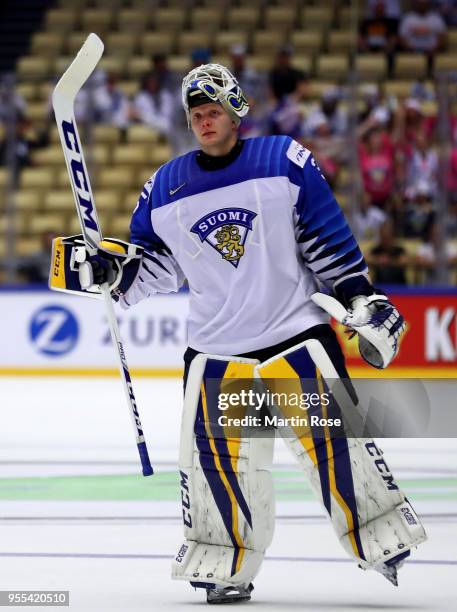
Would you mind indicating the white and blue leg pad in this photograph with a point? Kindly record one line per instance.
(370, 514)
(226, 485)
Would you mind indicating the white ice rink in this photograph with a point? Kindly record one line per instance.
(75, 516)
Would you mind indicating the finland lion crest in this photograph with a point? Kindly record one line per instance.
(226, 231)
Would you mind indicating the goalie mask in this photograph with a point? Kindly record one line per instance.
(214, 83)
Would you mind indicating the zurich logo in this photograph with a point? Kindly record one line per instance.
(54, 330)
(226, 231)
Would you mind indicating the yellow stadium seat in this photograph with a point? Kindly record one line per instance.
(97, 20)
(137, 66)
(116, 176)
(54, 223)
(303, 62)
(268, 41)
(62, 19)
(99, 154)
(129, 154)
(371, 66)
(28, 199)
(399, 89)
(169, 19)
(129, 88)
(341, 40)
(119, 225)
(261, 62)
(159, 154)
(204, 19)
(62, 179)
(106, 134)
(142, 175)
(193, 40)
(157, 42)
(142, 134)
(179, 63)
(4, 178)
(112, 64)
(332, 66)
(452, 38)
(44, 90)
(52, 155)
(131, 197)
(445, 62)
(345, 16)
(74, 42)
(243, 18)
(121, 43)
(133, 20)
(280, 17)
(306, 41)
(225, 39)
(47, 44)
(59, 200)
(26, 246)
(61, 64)
(108, 200)
(38, 112)
(319, 17)
(28, 91)
(40, 178)
(410, 65)
(33, 68)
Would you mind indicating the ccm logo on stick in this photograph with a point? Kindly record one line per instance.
(79, 175)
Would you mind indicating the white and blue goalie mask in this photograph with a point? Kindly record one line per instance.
(214, 83)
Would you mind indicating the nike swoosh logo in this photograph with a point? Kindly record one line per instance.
(173, 191)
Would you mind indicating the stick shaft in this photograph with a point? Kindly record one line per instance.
(63, 102)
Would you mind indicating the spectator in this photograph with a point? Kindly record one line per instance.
(284, 79)
(35, 268)
(167, 77)
(427, 256)
(370, 100)
(421, 165)
(377, 163)
(367, 220)
(111, 104)
(23, 143)
(378, 32)
(419, 212)
(286, 118)
(251, 82)
(422, 29)
(335, 117)
(200, 55)
(330, 150)
(388, 259)
(153, 105)
(392, 8)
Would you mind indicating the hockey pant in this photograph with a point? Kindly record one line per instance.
(226, 485)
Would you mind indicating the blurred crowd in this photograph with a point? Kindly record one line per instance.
(404, 151)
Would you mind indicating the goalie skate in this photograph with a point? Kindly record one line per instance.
(231, 594)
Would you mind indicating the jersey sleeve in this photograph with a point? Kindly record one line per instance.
(159, 271)
(324, 237)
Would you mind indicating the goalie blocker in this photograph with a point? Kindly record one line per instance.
(75, 268)
(226, 485)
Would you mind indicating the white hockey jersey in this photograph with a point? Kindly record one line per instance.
(252, 239)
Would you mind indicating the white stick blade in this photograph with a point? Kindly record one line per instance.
(80, 69)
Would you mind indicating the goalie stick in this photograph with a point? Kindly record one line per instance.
(63, 99)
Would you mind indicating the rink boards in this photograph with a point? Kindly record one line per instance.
(51, 334)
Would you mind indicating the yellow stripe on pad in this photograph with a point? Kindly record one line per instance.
(276, 371)
(112, 246)
(223, 476)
